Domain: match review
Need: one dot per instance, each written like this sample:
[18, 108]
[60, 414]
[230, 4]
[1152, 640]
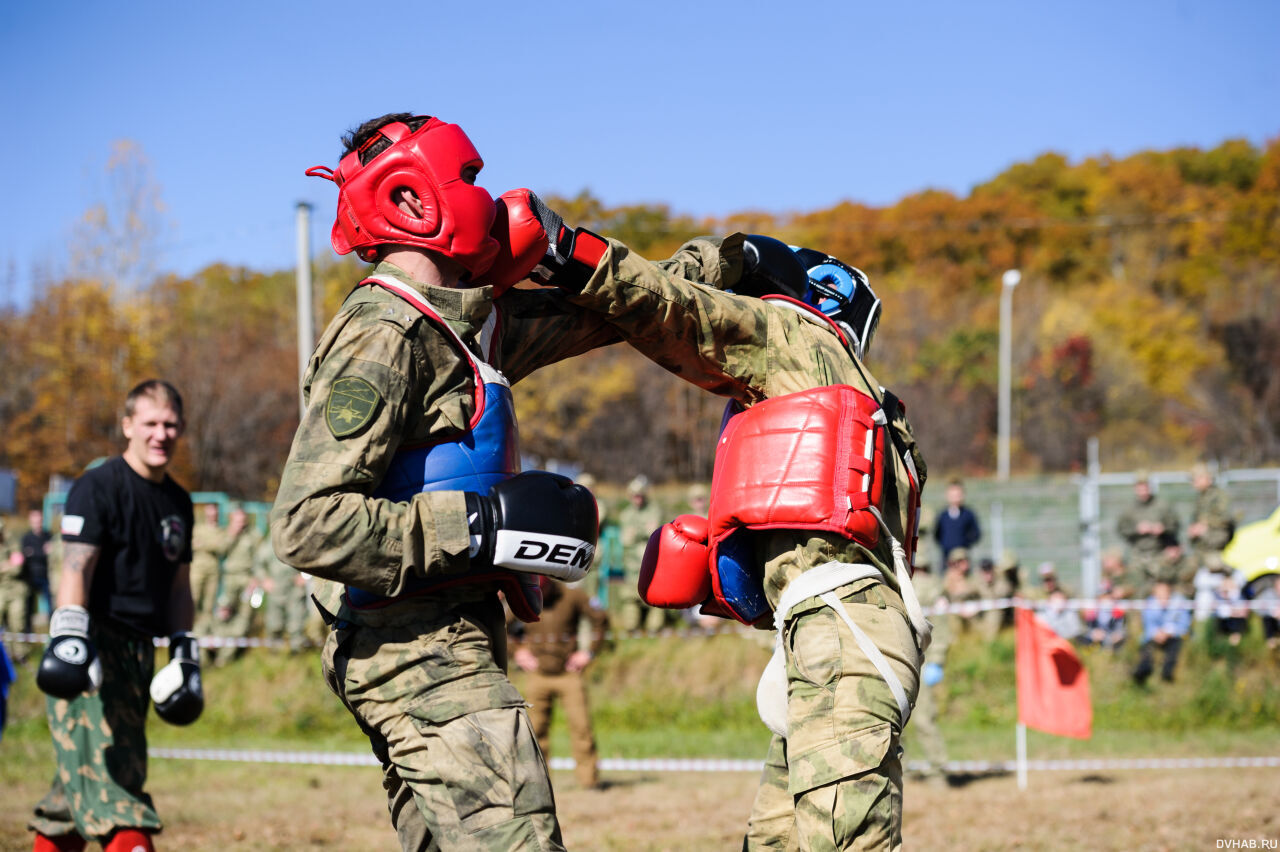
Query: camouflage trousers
[543, 690]
[461, 766]
[835, 781]
[100, 744]
[13, 606]
[235, 617]
[924, 721]
[287, 609]
[204, 595]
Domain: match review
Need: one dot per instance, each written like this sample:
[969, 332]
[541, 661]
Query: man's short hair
[354, 140]
[158, 391]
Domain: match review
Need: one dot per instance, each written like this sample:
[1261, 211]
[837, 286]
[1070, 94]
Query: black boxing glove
[536, 522]
[176, 689]
[70, 664]
[770, 267]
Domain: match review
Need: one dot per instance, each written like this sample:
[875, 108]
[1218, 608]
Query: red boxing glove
[522, 240]
[674, 573]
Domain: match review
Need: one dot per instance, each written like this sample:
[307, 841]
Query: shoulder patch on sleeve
[352, 403]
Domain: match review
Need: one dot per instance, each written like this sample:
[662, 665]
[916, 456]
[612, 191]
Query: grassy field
[694, 697]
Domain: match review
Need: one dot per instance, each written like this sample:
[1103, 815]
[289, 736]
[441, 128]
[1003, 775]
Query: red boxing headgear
[430, 161]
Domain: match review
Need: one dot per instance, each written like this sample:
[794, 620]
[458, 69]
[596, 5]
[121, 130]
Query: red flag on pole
[1053, 687]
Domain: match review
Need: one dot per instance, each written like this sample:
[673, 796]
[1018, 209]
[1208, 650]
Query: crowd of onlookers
[1164, 581]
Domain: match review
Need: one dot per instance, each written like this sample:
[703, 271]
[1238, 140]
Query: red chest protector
[811, 460]
[814, 459]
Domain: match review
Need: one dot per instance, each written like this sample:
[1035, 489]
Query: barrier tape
[963, 608]
[696, 764]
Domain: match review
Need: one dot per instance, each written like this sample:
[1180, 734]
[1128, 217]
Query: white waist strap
[817, 581]
[820, 582]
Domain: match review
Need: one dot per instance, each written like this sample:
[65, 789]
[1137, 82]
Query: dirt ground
[231, 806]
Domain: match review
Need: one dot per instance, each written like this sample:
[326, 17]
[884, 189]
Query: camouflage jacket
[1213, 509]
[381, 377]
[209, 544]
[748, 350]
[1145, 544]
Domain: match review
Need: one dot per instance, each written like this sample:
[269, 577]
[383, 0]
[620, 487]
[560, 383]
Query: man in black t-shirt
[125, 579]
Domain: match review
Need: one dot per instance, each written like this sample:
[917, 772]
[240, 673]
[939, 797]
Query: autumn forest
[1148, 316]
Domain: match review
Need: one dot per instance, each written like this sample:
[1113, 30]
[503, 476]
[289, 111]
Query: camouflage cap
[1200, 470]
[697, 493]
[1142, 475]
[957, 554]
[638, 485]
[587, 481]
[1008, 560]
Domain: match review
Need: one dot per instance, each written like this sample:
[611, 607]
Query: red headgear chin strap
[430, 161]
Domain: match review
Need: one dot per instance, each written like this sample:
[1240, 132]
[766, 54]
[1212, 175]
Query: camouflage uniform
[924, 717]
[1175, 567]
[1145, 548]
[991, 586]
[425, 675]
[239, 576]
[1213, 509]
[209, 543]
[288, 601]
[836, 780]
[635, 525]
[13, 588]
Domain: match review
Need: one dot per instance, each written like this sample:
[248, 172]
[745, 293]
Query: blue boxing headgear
[844, 294]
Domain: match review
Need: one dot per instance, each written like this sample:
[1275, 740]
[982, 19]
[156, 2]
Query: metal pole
[1009, 280]
[1022, 756]
[1091, 524]
[305, 310]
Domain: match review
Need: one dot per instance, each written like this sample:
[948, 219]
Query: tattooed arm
[78, 561]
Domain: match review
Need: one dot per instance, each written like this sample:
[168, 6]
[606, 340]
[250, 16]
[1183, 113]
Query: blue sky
[710, 107]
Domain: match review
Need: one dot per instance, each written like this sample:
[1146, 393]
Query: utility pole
[305, 309]
[1010, 280]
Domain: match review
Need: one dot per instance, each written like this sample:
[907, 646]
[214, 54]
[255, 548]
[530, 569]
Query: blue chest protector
[487, 453]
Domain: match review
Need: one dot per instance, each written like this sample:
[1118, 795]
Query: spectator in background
[1061, 618]
[288, 602]
[1115, 574]
[1148, 526]
[960, 590]
[985, 583]
[1212, 524]
[37, 543]
[209, 544]
[1229, 610]
[997, 582]
[1104, 624]
[924, 718]
[698, 497]
[636, 522]
[554, 651]
[1175, 567]
[239, 579]
[1166, 618]
[13, 589]
[1049, 583]
[956, 525]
